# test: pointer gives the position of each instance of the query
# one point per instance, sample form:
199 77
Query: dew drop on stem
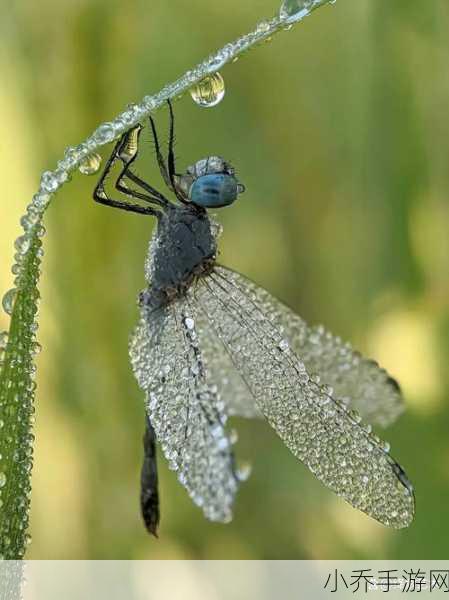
90 165
209 91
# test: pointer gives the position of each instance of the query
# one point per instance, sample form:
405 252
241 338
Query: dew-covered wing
235 394
318 429
358 382
184 407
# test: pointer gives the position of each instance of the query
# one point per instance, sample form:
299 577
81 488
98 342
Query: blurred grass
339 131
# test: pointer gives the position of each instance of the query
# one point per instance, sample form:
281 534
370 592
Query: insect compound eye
214 190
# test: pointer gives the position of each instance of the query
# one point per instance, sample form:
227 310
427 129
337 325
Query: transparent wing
234 392
184 407
318 429
357 382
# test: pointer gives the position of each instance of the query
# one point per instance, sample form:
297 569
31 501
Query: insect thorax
182 247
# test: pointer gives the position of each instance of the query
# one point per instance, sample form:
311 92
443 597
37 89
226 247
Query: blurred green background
339 130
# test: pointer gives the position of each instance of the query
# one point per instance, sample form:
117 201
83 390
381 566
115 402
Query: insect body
185 248
211 344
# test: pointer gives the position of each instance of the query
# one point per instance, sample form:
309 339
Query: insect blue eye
214 190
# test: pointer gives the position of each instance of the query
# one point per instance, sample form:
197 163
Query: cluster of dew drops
210 90
207 92
16 396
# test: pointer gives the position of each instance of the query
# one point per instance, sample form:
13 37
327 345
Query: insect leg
127 153
101 196
171 155
149 496
168 174
171 143
155 196
160 158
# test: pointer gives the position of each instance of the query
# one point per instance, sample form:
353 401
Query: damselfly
212 344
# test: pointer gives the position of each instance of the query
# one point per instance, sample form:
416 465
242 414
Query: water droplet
189 323
209 91
2 423
3 339
244 471
295 10
131 114
263 27
61 176
40 201
22 244
90 165
71 157
35 348
40 231
2 480
216 61
149 102
105 133
49 183
283 345
315 378
8 300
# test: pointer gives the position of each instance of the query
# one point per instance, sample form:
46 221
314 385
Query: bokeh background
339 130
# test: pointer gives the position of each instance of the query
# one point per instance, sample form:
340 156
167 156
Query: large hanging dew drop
2 480
90 165
209 91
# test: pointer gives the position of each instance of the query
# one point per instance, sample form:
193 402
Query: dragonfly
211 344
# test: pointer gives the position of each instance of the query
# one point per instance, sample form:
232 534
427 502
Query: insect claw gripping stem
126 151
